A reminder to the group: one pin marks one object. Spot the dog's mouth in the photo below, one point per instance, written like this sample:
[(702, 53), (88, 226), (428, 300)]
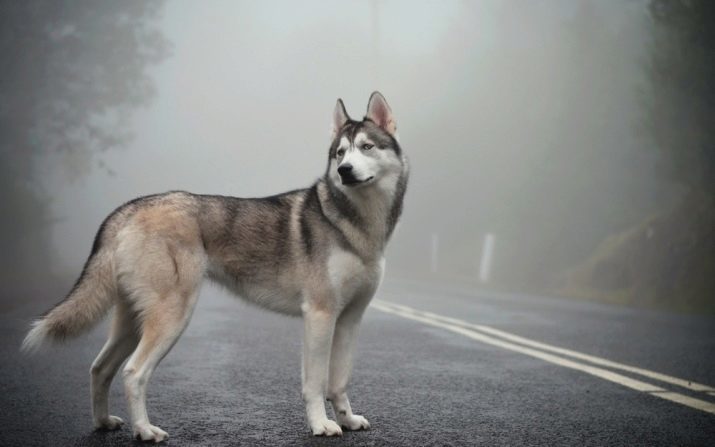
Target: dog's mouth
[(351, 181)]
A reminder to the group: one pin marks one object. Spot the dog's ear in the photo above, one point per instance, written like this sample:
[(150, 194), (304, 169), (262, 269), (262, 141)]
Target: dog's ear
[(380, 113), (340, 117)]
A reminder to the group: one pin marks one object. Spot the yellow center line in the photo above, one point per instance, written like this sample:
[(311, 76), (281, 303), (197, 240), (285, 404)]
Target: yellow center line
[(464, 328)]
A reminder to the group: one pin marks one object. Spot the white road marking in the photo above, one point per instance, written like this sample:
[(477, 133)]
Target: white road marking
[(468, 330), (563, 351)]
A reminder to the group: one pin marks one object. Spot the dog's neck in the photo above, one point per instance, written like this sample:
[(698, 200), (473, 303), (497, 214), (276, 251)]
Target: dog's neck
[(366, 216)]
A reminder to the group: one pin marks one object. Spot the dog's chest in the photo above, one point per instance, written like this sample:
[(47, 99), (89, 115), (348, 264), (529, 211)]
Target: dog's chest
[(351, 277)]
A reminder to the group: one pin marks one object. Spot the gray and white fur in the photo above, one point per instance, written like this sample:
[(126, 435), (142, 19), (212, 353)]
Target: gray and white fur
[(315, 252)]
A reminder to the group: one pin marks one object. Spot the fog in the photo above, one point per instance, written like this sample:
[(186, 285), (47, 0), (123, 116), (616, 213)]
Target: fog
[(525, 120)]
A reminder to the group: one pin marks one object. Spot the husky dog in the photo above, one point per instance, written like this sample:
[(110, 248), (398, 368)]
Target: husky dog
[(315, 252)]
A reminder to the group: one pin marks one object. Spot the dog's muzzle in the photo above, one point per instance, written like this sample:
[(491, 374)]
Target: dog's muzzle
[(346, 174)]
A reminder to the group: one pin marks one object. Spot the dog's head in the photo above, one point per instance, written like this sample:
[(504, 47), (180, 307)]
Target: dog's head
[(364, 152)]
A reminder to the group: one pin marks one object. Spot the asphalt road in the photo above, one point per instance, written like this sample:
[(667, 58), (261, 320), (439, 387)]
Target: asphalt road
[(234, 378)]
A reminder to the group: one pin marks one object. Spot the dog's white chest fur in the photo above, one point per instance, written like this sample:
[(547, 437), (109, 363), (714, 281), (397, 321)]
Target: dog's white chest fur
[(351, 277)]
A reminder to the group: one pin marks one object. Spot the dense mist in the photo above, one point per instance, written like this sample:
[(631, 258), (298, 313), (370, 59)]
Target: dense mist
[(526, 120)]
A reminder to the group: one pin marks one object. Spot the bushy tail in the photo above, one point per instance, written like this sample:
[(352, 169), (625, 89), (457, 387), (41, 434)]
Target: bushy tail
[(90, 299)]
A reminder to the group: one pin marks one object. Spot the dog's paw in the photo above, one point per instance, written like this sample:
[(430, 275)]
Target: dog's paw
[(326, 427), (353, 422), (110, 423), (150, 433)]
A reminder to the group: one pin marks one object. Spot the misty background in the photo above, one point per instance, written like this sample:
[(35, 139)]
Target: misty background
[(579, 133)]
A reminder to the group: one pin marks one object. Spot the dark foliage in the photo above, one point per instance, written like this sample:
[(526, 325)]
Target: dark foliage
[(72, 72), (682, 71)]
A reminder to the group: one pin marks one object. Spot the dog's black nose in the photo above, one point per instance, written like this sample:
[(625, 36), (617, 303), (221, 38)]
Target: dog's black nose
[(345, 169)]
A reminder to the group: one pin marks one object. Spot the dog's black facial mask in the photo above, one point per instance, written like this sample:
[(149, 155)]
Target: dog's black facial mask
[(381, 139)]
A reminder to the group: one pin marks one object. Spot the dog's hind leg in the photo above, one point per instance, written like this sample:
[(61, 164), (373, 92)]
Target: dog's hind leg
[(161, 327), (123, 338)]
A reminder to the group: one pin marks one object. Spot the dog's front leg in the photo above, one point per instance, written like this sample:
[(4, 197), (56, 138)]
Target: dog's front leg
[(318, 337), (341, 363)]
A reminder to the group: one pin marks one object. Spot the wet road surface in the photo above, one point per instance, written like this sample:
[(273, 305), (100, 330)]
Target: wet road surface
[(234, 377)]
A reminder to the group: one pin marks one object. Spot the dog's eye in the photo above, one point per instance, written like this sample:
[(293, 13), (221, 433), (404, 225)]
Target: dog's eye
[(367, 146), (341, 152)]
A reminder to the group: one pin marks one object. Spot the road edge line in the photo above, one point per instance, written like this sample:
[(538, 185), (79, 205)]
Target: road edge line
[(688, 384), (605, 374)]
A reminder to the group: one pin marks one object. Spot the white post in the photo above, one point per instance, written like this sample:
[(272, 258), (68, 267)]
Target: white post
[(485, 266), (435, 249)]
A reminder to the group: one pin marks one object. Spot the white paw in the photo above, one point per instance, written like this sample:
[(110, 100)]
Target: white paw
[(326, 427), (353, 422), (110, 423), (150, 433)]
